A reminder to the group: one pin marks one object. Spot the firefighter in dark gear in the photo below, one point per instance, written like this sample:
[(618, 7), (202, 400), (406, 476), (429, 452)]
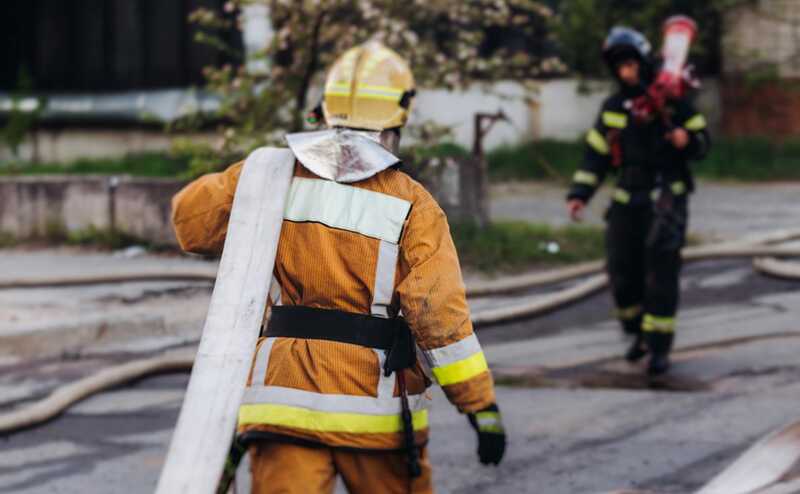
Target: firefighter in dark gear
[(648, 216)]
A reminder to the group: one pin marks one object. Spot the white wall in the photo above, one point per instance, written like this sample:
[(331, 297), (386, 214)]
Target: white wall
[(560, 109), (457, 109), (568, 107)]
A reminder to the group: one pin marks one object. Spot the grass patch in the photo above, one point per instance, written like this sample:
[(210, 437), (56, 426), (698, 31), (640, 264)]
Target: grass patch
[(505, 246), (57, 234), (7, 240), (746, 159), (141, 164), (103, 238), (545, 159)]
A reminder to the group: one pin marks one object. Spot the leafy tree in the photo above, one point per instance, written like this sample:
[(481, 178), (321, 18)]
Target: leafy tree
[(581, 27)]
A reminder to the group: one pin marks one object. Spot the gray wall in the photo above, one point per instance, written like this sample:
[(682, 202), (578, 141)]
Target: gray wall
[(41, 205)]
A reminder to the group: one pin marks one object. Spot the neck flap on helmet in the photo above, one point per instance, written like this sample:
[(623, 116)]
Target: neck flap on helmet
[(341, 154)]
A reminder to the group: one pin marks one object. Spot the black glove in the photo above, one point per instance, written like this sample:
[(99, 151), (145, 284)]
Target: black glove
[(491, 435)]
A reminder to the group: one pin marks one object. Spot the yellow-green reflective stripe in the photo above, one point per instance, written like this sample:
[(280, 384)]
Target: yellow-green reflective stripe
[(678, 188), (460, 371), (622, 196), (597, 141), (614, 119), (658, 324), (628, 313), (312, 420), (489, 422), (338, 89), (584, 177), (389, 90), (697, 122)]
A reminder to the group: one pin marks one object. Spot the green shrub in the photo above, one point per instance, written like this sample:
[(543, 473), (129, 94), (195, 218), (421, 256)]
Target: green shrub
[(102, 237), (544, 159)]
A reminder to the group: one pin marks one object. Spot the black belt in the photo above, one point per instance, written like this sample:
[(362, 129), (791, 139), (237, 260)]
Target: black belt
[(392, 335)]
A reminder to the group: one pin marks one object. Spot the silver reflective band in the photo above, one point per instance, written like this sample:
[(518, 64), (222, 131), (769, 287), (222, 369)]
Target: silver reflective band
[(343, 155), (484, 421), (368, 405), (615, 119), (384, 278), (275, 292), (584, 177), (262, 361), (348, 208), (455, 352)]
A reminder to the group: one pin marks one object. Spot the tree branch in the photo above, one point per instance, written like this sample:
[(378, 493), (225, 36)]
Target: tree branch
[(311, 69)]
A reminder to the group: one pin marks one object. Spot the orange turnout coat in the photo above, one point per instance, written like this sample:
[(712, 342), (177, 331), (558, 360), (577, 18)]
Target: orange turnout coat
[(379, 247)]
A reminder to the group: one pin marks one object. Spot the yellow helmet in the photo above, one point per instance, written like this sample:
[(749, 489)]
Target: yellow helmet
[(369, 87)]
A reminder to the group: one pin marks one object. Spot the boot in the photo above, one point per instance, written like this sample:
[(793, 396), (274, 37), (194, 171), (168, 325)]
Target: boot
[(659, 364), (632, 326), (637, 350), (660, 344), (638, 347)]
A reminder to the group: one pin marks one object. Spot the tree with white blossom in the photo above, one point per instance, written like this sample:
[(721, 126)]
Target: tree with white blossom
[(449, 44)]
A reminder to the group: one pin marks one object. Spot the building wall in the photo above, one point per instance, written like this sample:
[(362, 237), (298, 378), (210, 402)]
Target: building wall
[(762, 36), (760, 93)]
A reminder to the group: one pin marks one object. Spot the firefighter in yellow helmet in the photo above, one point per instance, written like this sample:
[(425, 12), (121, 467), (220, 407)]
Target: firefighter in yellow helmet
[(366, 279)]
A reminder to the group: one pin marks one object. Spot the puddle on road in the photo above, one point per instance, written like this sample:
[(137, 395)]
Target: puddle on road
[(593, 378)]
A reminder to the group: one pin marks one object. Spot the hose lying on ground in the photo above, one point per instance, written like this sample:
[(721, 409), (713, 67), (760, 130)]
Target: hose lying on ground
[(66, 396), (200, 273), (509, 284), (779, 269), (542, 304)]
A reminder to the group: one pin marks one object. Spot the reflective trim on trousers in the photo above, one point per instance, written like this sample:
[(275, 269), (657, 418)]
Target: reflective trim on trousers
[(658, 324), (627, 313)]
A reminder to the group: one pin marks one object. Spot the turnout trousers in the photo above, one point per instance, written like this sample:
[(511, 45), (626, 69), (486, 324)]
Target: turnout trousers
[(285, 468), (643, 248)]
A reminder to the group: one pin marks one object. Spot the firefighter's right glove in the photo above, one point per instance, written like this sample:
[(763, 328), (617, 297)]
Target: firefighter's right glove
[(491, 434)]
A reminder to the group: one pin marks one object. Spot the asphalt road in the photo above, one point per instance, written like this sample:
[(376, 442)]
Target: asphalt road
[(580, 421)]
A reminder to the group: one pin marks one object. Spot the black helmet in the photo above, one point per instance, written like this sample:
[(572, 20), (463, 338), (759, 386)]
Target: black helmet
[(624, 43)]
